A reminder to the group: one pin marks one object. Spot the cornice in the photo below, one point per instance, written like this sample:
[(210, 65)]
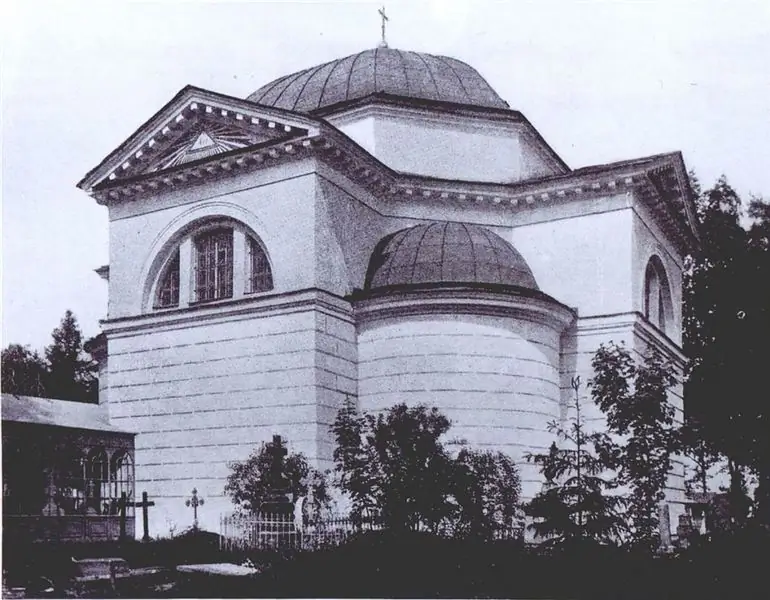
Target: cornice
[(454, 299), (639, 326), (229, 310), (438, 113), (655, 180), (171, 119), (509, 121)]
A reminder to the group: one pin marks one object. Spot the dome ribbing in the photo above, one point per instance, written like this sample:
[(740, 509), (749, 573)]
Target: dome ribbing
[(382, 70), (447, 253)]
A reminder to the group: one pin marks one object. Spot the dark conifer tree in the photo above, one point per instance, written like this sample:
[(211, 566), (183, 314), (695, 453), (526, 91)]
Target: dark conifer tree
[(578, 502), (71, 374)]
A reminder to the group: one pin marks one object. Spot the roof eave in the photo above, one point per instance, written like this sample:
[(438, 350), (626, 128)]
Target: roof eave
[(187, 94)]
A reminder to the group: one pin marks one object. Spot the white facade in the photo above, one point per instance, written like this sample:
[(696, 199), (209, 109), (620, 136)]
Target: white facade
[(203, 383)]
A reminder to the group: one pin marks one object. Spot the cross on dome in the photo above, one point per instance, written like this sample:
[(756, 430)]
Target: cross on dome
[(384, 18)]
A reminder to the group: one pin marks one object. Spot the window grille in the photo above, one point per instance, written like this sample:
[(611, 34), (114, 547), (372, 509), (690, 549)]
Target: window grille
[(71, 482), (214, 265), (168, 292), (97, 483), (260, 278), (122, 479)]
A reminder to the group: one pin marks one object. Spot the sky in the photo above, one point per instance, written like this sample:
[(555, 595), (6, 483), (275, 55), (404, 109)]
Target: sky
[(601, 81)]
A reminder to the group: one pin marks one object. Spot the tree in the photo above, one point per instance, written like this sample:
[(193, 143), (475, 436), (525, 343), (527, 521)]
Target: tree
[(703, 458), (577, 502), (634, 400), (486, 487), (394, 463), (23, 371), (71, 375), (248, 483), (726, 325)]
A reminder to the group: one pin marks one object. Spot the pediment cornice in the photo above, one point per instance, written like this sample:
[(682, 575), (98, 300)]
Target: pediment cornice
[(195, 125), (660, 181)]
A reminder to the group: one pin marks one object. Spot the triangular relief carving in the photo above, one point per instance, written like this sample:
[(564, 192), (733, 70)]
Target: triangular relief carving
[(199, 138), (203, 140)]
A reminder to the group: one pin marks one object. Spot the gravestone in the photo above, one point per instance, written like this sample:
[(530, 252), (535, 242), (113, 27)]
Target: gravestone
[(685, 531), (94, 570), (665, 525), (215, 580), (278, 528), (278, 500)]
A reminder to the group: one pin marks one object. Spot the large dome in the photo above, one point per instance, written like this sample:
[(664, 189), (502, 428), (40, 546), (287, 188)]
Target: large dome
[(384, 70), (447, 253)]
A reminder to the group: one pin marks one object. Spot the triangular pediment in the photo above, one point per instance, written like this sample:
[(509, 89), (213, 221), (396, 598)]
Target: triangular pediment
[(204, 139), (195, 126)]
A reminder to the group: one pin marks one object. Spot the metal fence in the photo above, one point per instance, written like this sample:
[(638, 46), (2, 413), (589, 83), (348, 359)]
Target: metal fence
[(248, 532), (262, 531)]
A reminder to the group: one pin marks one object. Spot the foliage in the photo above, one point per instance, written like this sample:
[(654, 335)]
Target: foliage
[(23, 371), (248, 483), (703, 457), (395, 464), (726, 325), (66, 373), (577, 500), (486, 489), (71, 376), (634, 400)]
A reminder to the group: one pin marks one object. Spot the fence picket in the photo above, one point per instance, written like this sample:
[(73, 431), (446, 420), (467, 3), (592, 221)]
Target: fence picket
[(260, 531), (248, 532)]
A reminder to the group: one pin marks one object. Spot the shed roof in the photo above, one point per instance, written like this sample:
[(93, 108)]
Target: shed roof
[(59, 413)]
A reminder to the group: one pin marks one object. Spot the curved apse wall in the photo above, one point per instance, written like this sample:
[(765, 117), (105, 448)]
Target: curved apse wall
[(496, 378)]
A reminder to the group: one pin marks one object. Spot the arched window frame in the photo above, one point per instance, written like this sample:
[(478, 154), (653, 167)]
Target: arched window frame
[(213, 264), (97, 481), (168, 286), (259, 272), (227, 273), (657, 302), (122, 479)]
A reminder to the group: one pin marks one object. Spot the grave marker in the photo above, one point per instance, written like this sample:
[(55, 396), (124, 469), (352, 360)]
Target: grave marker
[(195, 502)]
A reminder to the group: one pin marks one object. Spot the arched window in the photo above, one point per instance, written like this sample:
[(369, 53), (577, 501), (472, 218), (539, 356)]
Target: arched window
[(214, 265), (168, 290), (215, 260), (657, 294), (97, 482), (260, 276), (121, 480), (71, 481)]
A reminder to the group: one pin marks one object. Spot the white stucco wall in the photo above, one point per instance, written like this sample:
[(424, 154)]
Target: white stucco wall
[(208, 392), (347, 231), (582, 261), (649, 241), (276, 204), (452, 147), (495, 378), (446, 151)]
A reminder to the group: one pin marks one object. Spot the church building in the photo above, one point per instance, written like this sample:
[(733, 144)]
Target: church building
[(383, 227)]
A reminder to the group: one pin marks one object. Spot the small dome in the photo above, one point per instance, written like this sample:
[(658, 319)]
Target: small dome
[(447, 253), (387, 70)]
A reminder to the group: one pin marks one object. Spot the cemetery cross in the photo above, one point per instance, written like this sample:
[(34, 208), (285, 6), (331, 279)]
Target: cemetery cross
[(195, 502), (144, 505)]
